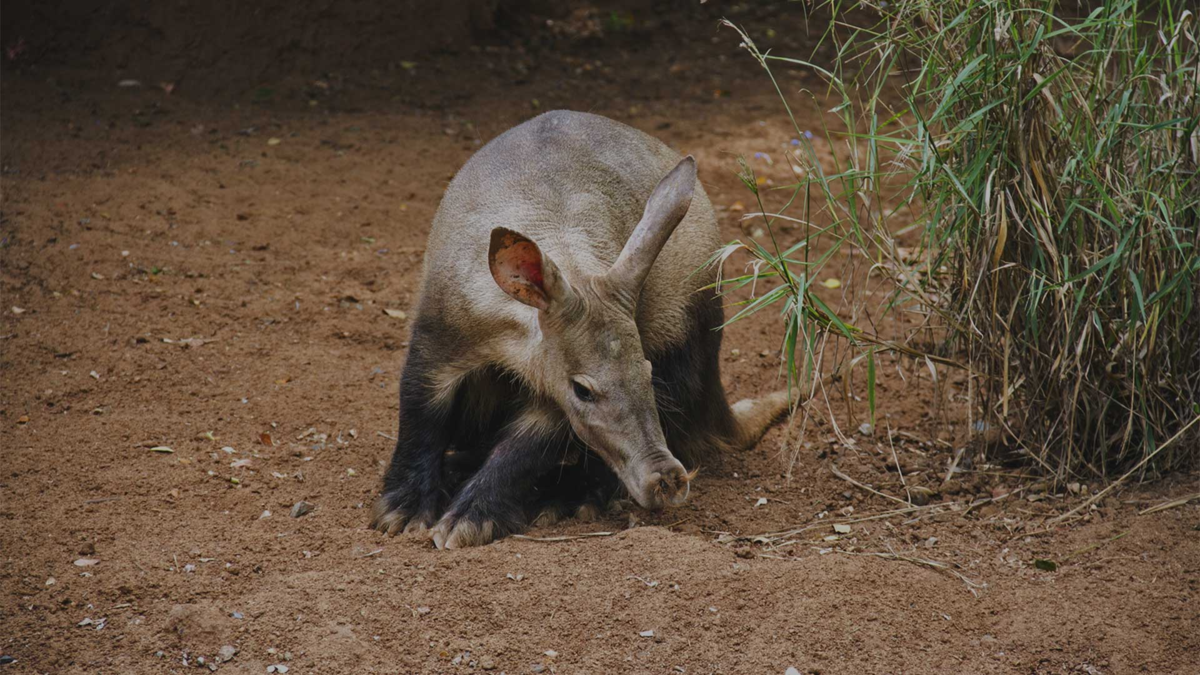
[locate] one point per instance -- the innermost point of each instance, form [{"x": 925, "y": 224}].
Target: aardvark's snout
[{"x": 661, "y": 484}]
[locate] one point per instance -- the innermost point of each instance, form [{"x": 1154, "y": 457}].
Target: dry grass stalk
[
  {"x": 948, "y": 568},
  {"x": 1169, "y": 504}
]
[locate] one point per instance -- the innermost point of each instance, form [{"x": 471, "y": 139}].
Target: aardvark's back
[{"x": 576, "y": 183}]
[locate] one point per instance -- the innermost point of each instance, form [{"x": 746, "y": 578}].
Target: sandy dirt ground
[{"x": 211, "y": 276}]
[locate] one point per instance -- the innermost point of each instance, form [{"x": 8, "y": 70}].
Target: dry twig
[
  {"x": 1137, "y": 467},
  {"x": 569, "y": 537}
]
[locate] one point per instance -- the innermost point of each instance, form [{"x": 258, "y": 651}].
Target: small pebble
[
  {"x": 302, "y": 508},
  {"x": 227, "y": 653}
]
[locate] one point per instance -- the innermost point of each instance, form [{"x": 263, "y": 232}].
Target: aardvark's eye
[{"x": 582, "y": 392}]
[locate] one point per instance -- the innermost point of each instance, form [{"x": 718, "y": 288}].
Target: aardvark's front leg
[
  {"x": 414, "y": 493},
  {"x": 496, "y": 501}
]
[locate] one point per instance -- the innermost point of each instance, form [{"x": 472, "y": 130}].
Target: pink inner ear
[
  {"x": 530, "y": 265},
  {"x": 517, "y": 268}
]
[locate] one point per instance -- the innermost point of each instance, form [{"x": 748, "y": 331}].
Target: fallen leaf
[
  {"x": 396, "y": 313},
  {"x": 129, "y": 83},
  {"x": 274, "y": 141},
  {"x": 841, "y": 528},
  {"x": 646, "y": 633},
  {"x": 1047, "y": 565},
  {"x": 86, "y": 562},
  {"x": 920, "y": 495},
  {"x": 265, "y": 437},
  {"x": 96, "y": 275},
  {"x": 832, "y": 283},
  {"x": 239, "y": 463},
  {"x": 162, "y": 448},
  {"x": 762, "y": 501},
  {"x": 23, "y": 419},
  {"x": 18, "y": 310},
  {"x": 737, "y": 206},
  {"x": 408, "y": 65},
  {"x": 189, "y": 342}
]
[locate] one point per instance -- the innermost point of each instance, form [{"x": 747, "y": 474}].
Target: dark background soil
[{"x": 275, "y": 201}]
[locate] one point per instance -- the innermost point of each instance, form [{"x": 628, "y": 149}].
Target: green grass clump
[{"x": 1050, "y": 155}]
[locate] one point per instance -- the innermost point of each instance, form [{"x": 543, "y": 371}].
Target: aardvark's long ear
[
  {"x": 524, "y": 272},
  {"x": 665, "y": 209}
]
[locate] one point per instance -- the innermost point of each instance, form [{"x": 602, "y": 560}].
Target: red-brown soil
[{"x": 172, "y": 276}]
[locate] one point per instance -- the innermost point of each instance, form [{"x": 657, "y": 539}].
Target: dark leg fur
[
  {"x": 695, "y": 416},
  {"x": 415, "y": 489},
  {"x": 495, "y": 502},
  {"x": 583, "y": 488}
]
